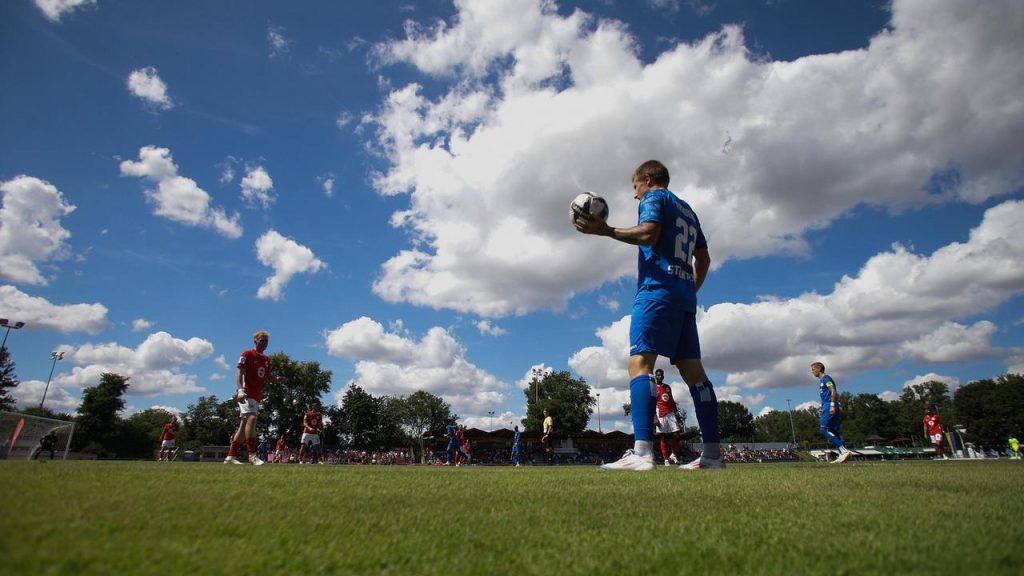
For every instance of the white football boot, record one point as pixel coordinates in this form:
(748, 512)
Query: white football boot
(631, 461)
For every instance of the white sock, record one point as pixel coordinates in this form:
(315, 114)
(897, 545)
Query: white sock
(643, 448)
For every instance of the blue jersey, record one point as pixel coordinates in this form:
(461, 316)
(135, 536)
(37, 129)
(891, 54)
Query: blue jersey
(515, 441)
(665, 269)
(826, 392)
(449, 431)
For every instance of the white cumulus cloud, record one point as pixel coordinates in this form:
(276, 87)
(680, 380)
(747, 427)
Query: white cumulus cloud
(30, 228)
(54, 10)
(258, 187)
(178, 198)
(141, 324)
(145, 83)
(39, 313)
(288, 258)
(540, 106)
(389, 362)
(155, 367)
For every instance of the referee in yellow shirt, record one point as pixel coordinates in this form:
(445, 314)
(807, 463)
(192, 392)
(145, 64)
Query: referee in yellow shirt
(545, 440)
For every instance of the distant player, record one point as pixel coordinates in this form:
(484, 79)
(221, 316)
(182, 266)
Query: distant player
(831, 416)
(454, 448)
(517, 446)
(467, 447)
(253, 372)
(933, 431)
(460, 433)
(312, 424)
(262, 449)
(47, 443)
(668, 426)
(545, 440)
(167, 448)
(279, 450)
(1015, 446)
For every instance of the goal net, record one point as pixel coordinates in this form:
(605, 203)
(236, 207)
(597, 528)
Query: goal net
(23, 437)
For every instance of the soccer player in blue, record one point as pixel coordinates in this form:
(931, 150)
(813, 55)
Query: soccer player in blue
(831, 418)
(672, 264)
(517, 446)
(453, 443)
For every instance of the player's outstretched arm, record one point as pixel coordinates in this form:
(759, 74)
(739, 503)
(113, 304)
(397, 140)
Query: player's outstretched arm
(645, 234)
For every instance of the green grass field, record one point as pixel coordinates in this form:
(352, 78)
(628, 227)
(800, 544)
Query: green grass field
(191, 518)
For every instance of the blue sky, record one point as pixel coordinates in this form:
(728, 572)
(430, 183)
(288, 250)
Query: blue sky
(384, 187)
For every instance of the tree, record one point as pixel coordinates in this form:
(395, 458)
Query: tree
(98, 420)
(867, 415)
(296, 385)
(366, 422)
(421, 412)
(735, 421)
(567, 399)
(8, 380)
(912, 403)
(140, 433)
(773, 427)
(208, 422)
(991, 410)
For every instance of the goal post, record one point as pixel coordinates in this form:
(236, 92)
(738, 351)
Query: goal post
(24, 437)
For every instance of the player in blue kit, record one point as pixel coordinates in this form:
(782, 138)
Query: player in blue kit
(831, 417)
(517, 446)
(672, 264)
(453, 443)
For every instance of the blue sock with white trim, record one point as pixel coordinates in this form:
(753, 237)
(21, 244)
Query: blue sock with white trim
(705, 404)
(641, 398)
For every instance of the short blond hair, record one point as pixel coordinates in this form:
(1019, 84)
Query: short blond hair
(818, 365)
(654, 170)
(256, 335)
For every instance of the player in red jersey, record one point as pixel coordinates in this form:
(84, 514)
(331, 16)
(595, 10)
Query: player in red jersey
(933, 431)
(167, 449)
(253, 371)
(667, 419)
(460, 457)
(279, 451)
(312, 425)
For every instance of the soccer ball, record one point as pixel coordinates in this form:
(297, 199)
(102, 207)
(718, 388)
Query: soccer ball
(588, 205)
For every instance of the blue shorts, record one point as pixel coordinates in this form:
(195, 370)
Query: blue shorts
(663, 329)
(830, 422)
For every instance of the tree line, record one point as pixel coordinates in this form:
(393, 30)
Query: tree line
(989, 410)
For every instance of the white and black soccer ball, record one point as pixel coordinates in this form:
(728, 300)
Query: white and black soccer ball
(587, 206)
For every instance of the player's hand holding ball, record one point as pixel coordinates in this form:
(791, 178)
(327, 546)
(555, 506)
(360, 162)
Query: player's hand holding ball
(589, 213)
(241, 396)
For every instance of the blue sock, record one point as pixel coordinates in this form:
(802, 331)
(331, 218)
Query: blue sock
(641, 398)
(705, 404)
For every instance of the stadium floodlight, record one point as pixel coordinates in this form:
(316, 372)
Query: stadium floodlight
(491, 414)
(55, 357)
(4, 323)
(599, 413)
(537, 372)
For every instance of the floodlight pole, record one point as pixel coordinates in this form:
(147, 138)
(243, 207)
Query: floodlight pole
(55, 357)
(792, 429)
(491, 414)
(599, 413)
